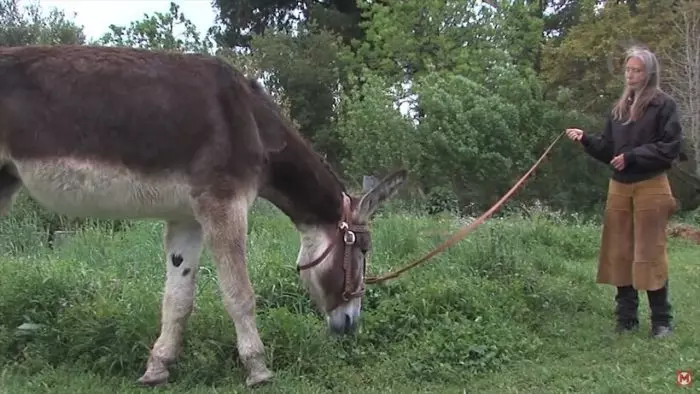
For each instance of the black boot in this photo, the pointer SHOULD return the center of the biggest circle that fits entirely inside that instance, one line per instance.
(660, 312)
(626, 310)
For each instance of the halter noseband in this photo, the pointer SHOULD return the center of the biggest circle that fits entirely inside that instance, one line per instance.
(347, 231)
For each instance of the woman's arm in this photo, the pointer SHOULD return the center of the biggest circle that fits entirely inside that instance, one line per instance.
(599, 145)
(665, 148)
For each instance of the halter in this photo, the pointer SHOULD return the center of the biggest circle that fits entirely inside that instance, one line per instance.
(346, 236)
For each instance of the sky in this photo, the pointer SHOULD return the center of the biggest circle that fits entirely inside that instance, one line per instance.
(97, 15)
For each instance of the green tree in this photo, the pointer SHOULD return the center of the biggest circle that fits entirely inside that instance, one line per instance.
(376, 133)
(159, 31)
(28, 26)
(589, 59)
(244, 19)
(307, 69)
(300, 49)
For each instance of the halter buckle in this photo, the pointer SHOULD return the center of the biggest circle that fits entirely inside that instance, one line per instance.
(349, 237)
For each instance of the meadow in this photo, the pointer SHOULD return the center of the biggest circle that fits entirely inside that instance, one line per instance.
(512, 308)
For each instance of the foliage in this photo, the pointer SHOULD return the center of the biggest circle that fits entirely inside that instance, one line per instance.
(307, 70)
(589, 58)
(405, 38)
(375, 133)
(29, 26)
(568, 179)
(158, 31)
(682, 71)
(244, 19)
(518, 28)
(457, 110)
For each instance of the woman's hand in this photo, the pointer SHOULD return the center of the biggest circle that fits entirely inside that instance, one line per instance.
(574, 134)
(618, 162)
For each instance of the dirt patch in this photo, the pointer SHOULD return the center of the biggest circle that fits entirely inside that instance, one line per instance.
(685, 231)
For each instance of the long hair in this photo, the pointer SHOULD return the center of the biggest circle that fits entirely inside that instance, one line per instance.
(635, 100)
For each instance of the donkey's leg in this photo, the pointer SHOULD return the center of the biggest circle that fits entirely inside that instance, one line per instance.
(225, 226)
(183, 246)
(9, 186)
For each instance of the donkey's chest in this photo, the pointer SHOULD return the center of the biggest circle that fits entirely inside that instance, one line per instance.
(83, 188)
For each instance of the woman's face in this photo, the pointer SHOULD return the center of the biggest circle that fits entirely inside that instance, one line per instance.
(634, 72)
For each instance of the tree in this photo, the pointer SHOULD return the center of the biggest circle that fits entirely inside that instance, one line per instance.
(588, 59)
(18, 27)
(244, 19)
(158, 31)
(682, 62)
(307, 70)
(549, 20)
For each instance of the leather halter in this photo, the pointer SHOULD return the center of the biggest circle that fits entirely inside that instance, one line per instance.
(346, 236)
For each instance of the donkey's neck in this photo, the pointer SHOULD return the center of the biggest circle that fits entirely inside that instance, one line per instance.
(303, 186)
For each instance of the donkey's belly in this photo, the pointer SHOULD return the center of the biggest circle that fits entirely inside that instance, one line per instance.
(84, 188)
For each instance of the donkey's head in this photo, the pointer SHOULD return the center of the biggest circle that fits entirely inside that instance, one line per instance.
(332, 258)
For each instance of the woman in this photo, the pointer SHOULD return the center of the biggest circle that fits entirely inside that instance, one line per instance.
(642, 136)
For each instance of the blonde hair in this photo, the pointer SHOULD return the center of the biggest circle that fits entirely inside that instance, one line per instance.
(634, 100)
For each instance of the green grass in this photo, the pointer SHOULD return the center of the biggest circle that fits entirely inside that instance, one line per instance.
(512, 308)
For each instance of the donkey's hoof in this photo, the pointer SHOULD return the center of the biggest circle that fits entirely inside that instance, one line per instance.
(258, 378)
(152, 379)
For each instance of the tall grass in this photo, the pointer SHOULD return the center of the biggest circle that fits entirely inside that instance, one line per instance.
(519, 289)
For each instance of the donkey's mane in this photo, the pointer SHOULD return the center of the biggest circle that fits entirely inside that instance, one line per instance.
(320, 193)
(292, 131)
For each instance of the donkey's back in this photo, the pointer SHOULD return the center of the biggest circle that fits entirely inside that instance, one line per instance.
(120, 132)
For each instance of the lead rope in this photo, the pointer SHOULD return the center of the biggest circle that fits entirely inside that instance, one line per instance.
(460, 234)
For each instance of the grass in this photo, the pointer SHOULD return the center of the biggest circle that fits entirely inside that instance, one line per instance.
(513, 308)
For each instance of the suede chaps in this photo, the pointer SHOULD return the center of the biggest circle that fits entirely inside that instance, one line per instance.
(633, 241)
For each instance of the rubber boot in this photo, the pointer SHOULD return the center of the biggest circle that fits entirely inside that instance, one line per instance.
(660, 312)
(627, 300)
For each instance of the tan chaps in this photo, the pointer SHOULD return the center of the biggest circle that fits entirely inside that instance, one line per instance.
(633, 241)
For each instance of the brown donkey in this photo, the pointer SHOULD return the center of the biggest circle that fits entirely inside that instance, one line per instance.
(135, 134)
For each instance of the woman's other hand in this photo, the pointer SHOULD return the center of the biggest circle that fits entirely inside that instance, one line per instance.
(574, 134)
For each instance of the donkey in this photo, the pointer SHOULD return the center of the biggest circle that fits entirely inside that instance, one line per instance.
(126, 133)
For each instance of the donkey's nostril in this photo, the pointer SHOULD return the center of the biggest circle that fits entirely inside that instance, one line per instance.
(343, 320)
(350, 324)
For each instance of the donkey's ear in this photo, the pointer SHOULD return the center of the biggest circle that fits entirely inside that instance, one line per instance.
(371, 200)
